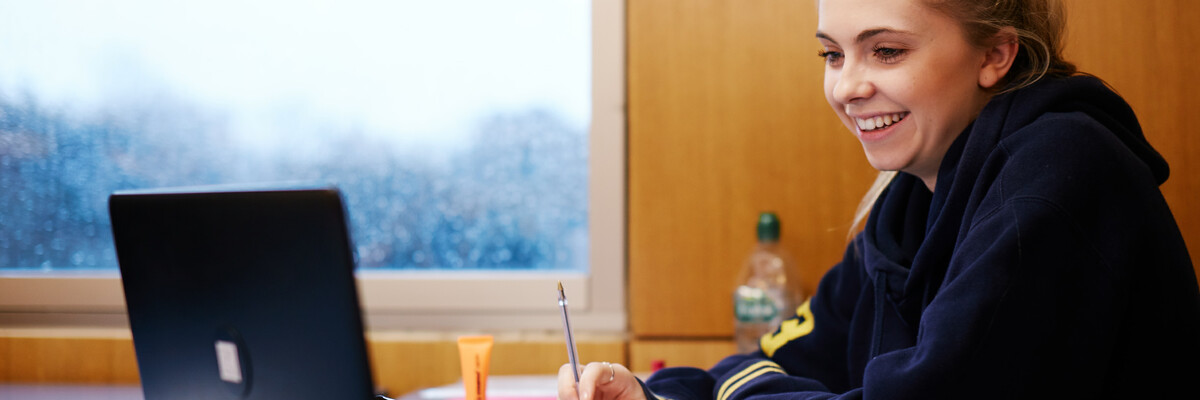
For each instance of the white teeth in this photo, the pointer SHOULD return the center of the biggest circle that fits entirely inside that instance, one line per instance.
(881, 121)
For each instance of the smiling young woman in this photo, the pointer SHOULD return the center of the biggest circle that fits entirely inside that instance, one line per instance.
(905, 80)
(1017, 246)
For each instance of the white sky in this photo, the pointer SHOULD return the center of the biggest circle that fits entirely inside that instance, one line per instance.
(418, 71)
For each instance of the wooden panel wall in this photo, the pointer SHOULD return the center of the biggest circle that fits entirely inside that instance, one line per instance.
(402, 362)
(727, 118)
(678, 353)
(98, 360)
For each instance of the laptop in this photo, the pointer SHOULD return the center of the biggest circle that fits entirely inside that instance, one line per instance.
(241, 293)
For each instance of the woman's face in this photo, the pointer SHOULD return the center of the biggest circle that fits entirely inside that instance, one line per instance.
(903, 79)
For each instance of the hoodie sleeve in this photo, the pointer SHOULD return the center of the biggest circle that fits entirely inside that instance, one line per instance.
(1028, 308)
(1021, 315)
(803, 359)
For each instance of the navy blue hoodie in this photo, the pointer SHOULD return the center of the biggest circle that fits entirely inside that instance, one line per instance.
(1046, 264)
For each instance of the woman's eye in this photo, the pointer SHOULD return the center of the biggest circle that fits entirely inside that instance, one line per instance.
(831, 57)
(887, 54)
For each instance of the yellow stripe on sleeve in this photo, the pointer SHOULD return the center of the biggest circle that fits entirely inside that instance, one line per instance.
(751, 372)
(748, 378)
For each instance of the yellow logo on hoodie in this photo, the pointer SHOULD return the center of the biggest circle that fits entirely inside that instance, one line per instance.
(790, 330)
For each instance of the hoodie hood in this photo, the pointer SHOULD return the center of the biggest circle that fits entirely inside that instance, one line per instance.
(1011, 111)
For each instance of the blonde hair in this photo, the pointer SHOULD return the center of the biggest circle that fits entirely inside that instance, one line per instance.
(1040, 27)
(864, 206)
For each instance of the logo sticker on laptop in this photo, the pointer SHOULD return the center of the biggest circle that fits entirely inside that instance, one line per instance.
(227, 362)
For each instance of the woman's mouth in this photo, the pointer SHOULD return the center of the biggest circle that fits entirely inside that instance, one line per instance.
(879, 122)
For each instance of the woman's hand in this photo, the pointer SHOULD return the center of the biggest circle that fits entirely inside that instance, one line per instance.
(599, 381)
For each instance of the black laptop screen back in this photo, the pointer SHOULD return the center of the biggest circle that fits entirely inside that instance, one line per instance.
(266, 276)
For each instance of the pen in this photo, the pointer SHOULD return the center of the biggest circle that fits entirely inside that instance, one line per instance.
(571, 354)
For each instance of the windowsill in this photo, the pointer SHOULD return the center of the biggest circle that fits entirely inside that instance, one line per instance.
(517, 301)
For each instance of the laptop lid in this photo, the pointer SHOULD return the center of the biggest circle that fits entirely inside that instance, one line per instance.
(241, 294)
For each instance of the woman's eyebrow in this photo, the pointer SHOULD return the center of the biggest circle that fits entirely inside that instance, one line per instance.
(864, 35)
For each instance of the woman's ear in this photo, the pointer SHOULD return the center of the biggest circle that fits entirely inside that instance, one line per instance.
(999, 58)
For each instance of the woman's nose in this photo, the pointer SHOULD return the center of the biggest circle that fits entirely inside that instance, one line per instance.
(853, 84)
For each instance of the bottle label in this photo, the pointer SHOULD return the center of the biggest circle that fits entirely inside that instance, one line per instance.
(753, 305)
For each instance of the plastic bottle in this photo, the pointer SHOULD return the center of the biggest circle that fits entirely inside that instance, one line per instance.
(768, 291)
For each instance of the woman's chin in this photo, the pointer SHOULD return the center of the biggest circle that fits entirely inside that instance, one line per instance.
(882, 161)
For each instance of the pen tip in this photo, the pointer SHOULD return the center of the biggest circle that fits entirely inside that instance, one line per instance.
(560, 286)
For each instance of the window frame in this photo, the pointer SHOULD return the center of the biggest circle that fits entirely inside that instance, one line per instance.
(483, 301)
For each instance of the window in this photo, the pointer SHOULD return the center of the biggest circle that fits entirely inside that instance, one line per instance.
(479, 144)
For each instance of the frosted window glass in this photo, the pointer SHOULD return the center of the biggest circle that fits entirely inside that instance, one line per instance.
(457, 130)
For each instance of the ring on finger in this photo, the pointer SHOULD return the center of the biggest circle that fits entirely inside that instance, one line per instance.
(612, 372)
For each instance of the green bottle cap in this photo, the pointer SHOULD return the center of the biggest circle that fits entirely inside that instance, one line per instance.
(768, 227)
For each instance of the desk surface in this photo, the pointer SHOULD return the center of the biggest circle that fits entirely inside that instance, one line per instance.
(27, 391)
(499, 387)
